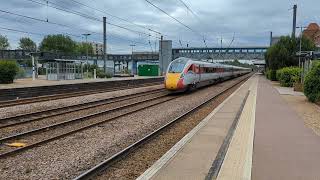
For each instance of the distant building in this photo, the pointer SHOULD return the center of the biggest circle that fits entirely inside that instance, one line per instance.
(313, 33)
(275, 39)
(97, 48)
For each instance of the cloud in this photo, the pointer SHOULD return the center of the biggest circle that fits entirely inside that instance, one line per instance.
(248, 21)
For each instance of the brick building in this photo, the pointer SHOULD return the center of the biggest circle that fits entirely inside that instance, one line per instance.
(313, 33)
(97, 48)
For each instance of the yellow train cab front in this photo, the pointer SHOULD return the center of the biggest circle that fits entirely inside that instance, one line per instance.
(172, 80)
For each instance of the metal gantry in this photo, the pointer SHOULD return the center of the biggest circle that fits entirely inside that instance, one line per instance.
(221, 53)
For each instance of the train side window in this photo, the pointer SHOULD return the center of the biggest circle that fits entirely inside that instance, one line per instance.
(197, 69)
(202, 70)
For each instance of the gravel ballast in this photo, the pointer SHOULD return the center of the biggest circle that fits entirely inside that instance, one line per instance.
(33, 107)
(72, 115)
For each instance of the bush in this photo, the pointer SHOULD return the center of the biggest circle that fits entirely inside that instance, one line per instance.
(8, 71)
(21, 73)
(312, 83)
(271, 74)
(101, 74)
(288, 75)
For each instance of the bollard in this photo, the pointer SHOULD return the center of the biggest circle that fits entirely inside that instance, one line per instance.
(95, 74)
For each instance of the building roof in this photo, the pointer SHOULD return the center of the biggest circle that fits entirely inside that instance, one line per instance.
(313, 33)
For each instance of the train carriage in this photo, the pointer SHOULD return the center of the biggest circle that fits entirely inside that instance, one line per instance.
(185, 73)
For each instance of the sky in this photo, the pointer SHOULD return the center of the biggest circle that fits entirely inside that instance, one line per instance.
(235, 22)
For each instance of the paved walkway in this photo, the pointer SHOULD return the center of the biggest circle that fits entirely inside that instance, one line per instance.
(284, 148)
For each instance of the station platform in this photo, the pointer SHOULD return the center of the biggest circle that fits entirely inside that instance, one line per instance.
(253, 134)
(41, 81)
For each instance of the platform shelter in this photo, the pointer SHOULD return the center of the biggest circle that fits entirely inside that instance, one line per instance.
(61, 69)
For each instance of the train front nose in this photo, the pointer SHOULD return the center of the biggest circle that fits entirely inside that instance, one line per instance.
(173, 81)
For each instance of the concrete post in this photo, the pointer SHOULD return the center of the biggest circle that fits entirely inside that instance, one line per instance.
(104, 45)
(33, 69)
(165, 55)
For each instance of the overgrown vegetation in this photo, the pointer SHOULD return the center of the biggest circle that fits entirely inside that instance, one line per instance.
(27, 43)
(99, 71)
(312, 83)
(4, 43)
(8, 71)
(271, 74)
(59, 43)
(283, 53)
(288, 76)
(238, 63)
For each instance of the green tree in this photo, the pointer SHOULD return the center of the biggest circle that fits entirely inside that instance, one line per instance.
(238, 63)
(283, 53)
(26, 43)
(4, 43)
(58, 43)
(82, 49)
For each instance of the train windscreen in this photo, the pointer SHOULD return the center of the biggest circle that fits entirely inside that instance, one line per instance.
(177, 66)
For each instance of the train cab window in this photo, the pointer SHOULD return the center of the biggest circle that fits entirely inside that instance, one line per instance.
(191, 68)
(177, 66)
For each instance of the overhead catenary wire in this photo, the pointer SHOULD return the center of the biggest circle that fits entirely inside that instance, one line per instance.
(40, 20)
(172, 17)
(89, 17)
(177, 20)
(189, 9)
(117, 17)
(41, 34)
(63, 25)
(20, 31)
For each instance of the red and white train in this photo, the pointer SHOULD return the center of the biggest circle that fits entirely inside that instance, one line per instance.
(185, 73)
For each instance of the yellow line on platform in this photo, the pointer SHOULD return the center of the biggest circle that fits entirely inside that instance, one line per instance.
(238, 160)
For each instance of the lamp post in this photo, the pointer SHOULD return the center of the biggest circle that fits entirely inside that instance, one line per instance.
(300, 46)
(86, 35)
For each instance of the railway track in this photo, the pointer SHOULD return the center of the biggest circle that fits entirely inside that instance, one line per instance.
(104, 165)
(40, 115)
(60, 95)
(58, 130)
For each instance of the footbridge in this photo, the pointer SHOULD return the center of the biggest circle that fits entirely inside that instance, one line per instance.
(224, 53)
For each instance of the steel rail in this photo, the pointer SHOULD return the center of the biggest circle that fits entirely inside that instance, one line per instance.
(39, 115)
(93, 172)
(15, 151)
(28, 100)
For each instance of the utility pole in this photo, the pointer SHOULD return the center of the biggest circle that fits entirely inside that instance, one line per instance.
(161, 55)
(294, 24)
(87, 52)
(271, 36)
(104, 44)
